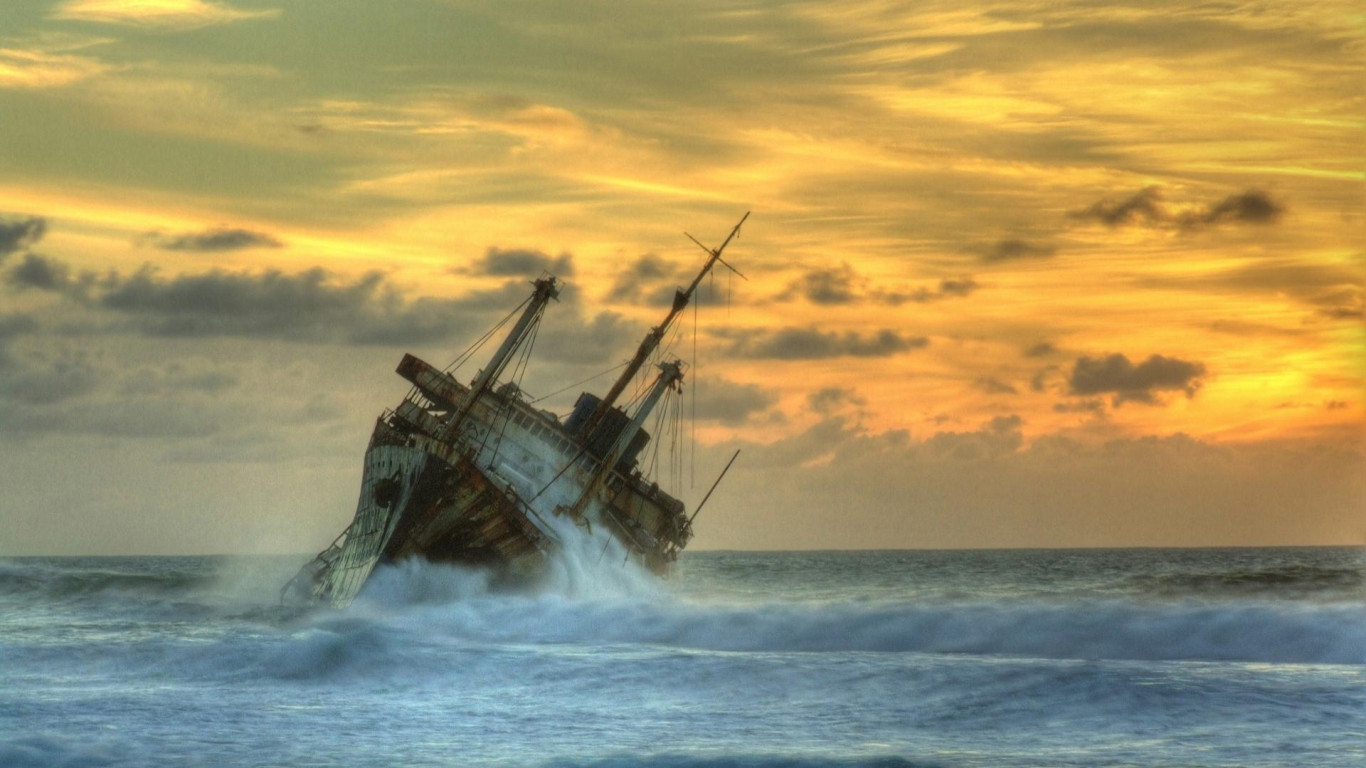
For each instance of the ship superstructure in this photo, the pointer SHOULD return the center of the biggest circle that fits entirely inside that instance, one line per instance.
(474, 473)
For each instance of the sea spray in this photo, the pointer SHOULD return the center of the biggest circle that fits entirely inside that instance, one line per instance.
(1085, 659)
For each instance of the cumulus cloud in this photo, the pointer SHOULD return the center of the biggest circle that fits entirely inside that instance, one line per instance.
(1014, 249)
(1039, 381)
(831, 286)
(40, 273)
(1142, 207)
(11, 328)
(515, 262)
(948, 288)
(315, 306)
(650, 277)
(1251, 207)
(729, 402)
(311, 306)
(1096, 407)
(830, 400)
(814, 344)
(65, 378)
(1115, 374)
(18, 235)
(984, 487)
(577, 340)
(994, 386)
(1148, 208)
(211, 240)
(997, 437)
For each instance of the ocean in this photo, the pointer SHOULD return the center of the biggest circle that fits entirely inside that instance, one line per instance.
(1139, 657)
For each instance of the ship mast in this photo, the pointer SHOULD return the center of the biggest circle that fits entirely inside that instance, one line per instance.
(669, 376)
(652, 339)
(546, 289)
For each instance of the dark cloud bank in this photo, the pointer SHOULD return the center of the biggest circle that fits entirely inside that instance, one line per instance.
(843, 285)
(18, 235)
(1016, 250)
(1116, 375)
(312, 306)
(1148, 208)
(211, 240)
(814, 344)
(517, 262)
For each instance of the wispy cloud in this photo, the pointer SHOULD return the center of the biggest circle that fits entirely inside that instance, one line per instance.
(211, 240)
(814, 344)
(160, 14)
(39, 68)
(844, 285)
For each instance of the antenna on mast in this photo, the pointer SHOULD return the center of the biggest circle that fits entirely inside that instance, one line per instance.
(656, 335)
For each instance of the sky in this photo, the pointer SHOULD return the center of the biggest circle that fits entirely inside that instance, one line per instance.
(1016, 275)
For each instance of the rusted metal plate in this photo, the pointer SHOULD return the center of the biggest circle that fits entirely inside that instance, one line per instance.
(435, 383)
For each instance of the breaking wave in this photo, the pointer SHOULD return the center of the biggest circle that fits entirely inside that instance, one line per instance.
(1295, 579)
(1239, 631)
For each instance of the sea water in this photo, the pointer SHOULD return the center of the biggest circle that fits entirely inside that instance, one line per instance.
(1218, 657)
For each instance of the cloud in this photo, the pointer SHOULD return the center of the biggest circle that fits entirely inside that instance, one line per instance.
(66, 378)
(577, 340)
(1250, 207)
(997, 437)
(37, 68)
(813, 344)
(161, 14)
(212, 240)
(831, 400)
(1348, 312)
(12, 327)
(729, 402)
(983, 487)
(994, 386)
(1096, 407)
(315, 306)
(1134, 383)
(40, 273)
(1039, 381)
(1042, 349)
(19, 235)
(648, 274)
(1147, 208)
(834, 285)
(843, 285)
(1015, 250)
(948, 288)
(1142, 207)
(497, 262)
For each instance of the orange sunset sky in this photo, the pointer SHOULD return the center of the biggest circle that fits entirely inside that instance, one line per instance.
(1019, 274)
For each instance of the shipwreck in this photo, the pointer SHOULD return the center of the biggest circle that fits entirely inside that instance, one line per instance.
(473, 473)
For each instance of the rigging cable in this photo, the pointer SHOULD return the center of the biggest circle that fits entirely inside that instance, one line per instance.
(620, 365)
(471, 349)
(518, 372)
